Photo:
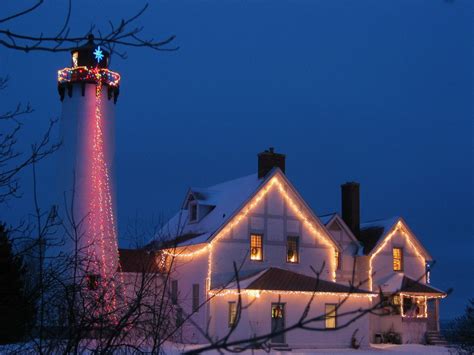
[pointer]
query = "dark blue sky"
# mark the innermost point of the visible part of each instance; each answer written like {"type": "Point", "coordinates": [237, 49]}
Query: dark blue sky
{"type": "Point", "coordinates": [374, 91]}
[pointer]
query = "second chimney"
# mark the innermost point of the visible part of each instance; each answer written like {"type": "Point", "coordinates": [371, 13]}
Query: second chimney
{"type": "Point", "coordinates": [351, 206]}
{"type": "Point", "coordinates": [267, 160]}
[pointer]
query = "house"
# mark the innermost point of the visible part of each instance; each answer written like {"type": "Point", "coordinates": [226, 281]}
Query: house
{"type": "Point", "coordinates": [249, 255]}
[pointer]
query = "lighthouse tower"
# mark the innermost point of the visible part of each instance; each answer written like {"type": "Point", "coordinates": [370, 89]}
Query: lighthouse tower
{"type": "Point", "coordinates": [88, 91]}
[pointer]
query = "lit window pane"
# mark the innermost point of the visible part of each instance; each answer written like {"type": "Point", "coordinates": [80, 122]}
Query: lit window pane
{"type": "Point", "coordinates": [232, 313]}
{"type": "Point", "coordinates": [330, 311]}
{"type": "Point", "coordinates": [397, 259]}
{"type": "Point", "coordinates": [292, 250]}
{"type": "Point", "coordinates": [256, 248]}
{"type": "Point", "coordinates": [337, 257]}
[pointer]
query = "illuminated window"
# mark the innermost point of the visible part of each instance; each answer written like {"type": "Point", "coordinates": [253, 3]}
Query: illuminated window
{"type": "Point", "coordinates": [75, 57]}
{"type": "Point", "coordinates": [397, 259]}
{"type": "Point", "coordinates": [396, 304]}
{"type": "Point", "coordinates": [337, 257]}
{"type": "Point", "coordinates": [330, 311]}
{"type": "Point", "coordinates": [256, 247]}
{"type": "Point", "coordinates": [232, 313]}
{"type": "Point", "coordinates": [396, 300]}
{"type": "Point", "coordinates": [292, 250]}
{"type": "Point", "coordinates": [278, 310]}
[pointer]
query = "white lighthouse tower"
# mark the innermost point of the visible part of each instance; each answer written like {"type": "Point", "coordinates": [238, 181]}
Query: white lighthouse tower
{"type": "Point", "coordinates": [89, 91]}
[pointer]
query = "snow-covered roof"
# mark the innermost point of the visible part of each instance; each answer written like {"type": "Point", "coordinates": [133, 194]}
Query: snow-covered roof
{"type": "Point", "coordinates": [277, 279]}
{"type": "Point", "coordinates": [326, 218]}
{"type": "Point", "coordinates": [399, 282]}
{"type": "Point", "coordinates": [386, 223]}
{"type": "Point", "coordinates": [373, 231]}
{"type": "Point", "coordinates": [226, 197]}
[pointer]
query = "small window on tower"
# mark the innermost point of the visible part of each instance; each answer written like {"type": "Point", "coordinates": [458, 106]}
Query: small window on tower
{"type": "Point", "coordinates": [256, 247]}
{"type": "Point", "coordinates": [292, 250]}
{"type": "Point", "coordinates": [397, 259]}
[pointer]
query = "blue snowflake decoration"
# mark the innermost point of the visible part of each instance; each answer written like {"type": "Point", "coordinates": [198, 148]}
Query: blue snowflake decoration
{"type": "Point", "coordinates": [98, 54]}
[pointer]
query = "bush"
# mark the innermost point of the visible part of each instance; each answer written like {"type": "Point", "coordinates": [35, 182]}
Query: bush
{"type": "Point", "coordinates": [461, 330]}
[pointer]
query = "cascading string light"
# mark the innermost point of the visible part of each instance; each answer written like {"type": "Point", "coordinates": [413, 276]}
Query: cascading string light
{"type": "Point", "coordinates": [102, 216]}
{"type": "Point", "coordinates": [258, 293]}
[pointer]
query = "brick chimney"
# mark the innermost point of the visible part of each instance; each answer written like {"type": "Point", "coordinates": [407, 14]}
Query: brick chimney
{"type": "Point", "coordinates": [267, 160]}
{"type": "Point", "coordinates": [351, 206]}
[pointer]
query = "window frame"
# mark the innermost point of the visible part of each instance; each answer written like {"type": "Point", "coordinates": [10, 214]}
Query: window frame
{"type": "Point", "coordinates": [260, 235]}
{"type": "Point", "coordinates": [193, 206]}
{"type": "Point", "coordinates": [179, 317]}
{"type": "Point", "coordinates": [196, 297]}
{"type": "Point", "coordinates": [338, 259]}
{"type": "Point", "coordinates": [231, 313]}
{"type": "Point", "coordinates": [400, 259]}
{"type": "Point", "coordinates": [174, 291]}
{"type": "Point", "coordinates": [328, 318]}
{"type": "Point", "coordinates": [296, 239]}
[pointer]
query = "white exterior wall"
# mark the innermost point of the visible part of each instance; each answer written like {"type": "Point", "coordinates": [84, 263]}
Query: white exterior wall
{"type": "Point", "coordinates": [348, 249]}
{"type": "Point", "coordinates": [256, 320]}
{"type": "Point", "coordinates": [275, 221]}
{"type": "Point", "coordinates": [76, 154]}
{"type": "Point", "coordinates": [77, 114]}
{"type": "Point", "coordinates": [411, 330]}
{"type": "Point", "coordinates": [189, 271]}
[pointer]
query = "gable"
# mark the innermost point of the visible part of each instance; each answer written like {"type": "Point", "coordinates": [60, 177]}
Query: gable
{"type": "Point", "coordinates": [277, 181]}
{"type": "Point", "coordinates": [233, 201]}
{"type": "Point", "coordinates": [399, 231]}
{"type": "Point", "coordinates": [337, 224]}
{"type": "Point", "coordinates": [397, 228]}
{"type": "Point", "coordinates": [274, 185]}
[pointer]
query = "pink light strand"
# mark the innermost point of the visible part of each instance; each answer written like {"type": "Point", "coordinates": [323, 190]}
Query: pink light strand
{"type": "Point", "coordinates": [103, 226]}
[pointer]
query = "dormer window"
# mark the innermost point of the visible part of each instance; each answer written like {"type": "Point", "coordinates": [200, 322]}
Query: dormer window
{"type": "Point", "coordinates": [193, 212]}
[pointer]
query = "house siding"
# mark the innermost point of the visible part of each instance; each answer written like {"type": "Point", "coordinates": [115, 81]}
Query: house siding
{"type": "Point", "coordinates": [256, 320]}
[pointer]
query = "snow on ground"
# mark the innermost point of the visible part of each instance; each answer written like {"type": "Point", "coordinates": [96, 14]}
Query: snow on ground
{"type": "Point", "coordinates": [375, 349]}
